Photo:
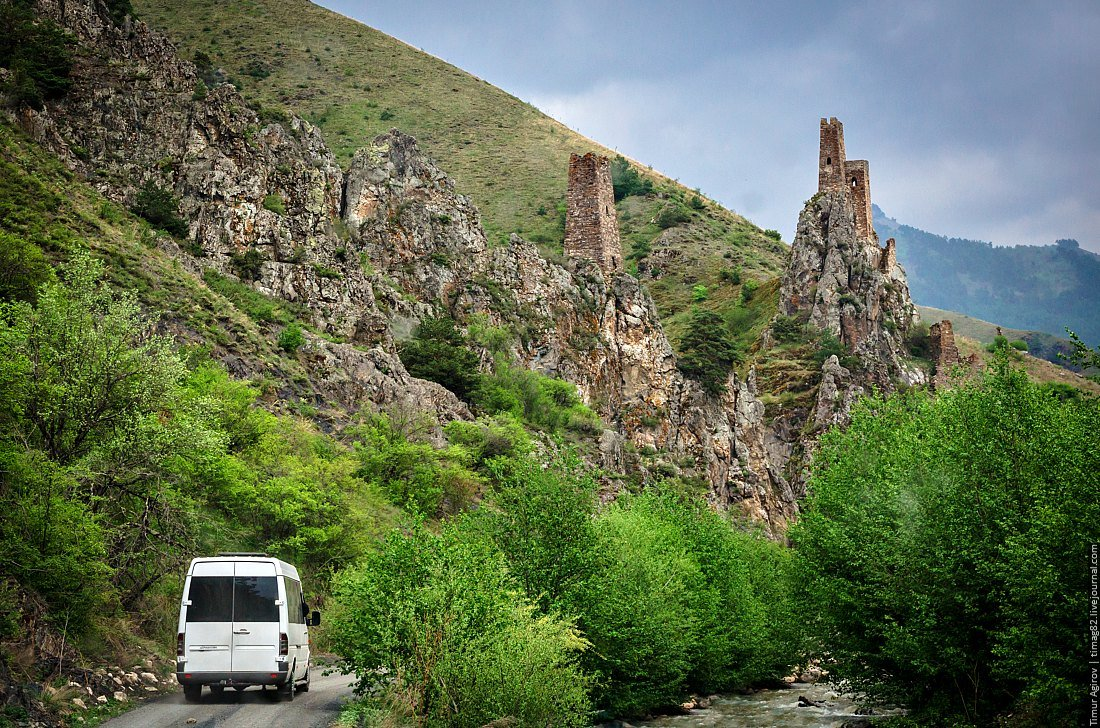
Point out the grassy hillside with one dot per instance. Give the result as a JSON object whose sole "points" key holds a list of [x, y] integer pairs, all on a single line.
{"points": [[356, 82]]}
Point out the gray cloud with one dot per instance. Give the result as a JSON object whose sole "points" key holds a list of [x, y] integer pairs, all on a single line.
{"points": [[979, 119]]}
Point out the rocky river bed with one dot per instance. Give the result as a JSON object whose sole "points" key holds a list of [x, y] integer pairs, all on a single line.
{"points": [[780, 708]]}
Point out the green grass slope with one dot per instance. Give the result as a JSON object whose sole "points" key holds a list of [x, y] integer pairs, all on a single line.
{"points": [[356, 82]]}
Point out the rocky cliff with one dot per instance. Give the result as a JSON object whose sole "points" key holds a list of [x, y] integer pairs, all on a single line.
{"points": [[367, 253]]}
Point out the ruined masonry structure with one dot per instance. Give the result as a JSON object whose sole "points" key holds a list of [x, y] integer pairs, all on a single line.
{"points": [[944, 353], [835, 171], [591, 227]]}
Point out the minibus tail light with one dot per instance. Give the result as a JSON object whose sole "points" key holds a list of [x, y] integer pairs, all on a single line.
{"points": [[284, 644], [179, 645]]}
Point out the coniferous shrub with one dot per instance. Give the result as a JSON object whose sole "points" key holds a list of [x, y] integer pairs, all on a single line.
{"points": [[707, 353], [161, 208], [37, 53]]}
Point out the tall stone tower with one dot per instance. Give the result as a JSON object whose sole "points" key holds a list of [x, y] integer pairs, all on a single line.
{"points": [[835, 171], [591, 226]]}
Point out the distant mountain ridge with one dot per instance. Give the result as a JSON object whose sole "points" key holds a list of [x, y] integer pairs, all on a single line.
{"points": [[1046, 288]]}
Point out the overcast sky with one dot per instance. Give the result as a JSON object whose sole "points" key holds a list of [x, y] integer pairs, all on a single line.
{"points": [[979, 119]]}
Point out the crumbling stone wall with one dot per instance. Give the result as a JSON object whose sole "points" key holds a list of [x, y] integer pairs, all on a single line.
{"points": [[945, 354], [835, 172], [889, 257], [591, 226]]}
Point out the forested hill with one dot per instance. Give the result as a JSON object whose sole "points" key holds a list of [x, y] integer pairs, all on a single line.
{"points": [[1047, 287]]}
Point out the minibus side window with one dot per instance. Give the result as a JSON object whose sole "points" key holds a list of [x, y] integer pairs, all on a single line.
{"points": [[211, 599], [255, 599], [295, 613]]}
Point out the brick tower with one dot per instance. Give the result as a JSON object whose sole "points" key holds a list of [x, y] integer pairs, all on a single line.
{"points": [[835, 172], [591, 226]]}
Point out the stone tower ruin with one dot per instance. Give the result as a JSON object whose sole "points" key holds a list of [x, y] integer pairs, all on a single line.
{"points": [[835, 172], [591, 226]]}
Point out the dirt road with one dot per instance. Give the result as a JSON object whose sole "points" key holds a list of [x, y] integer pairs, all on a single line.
{"points": [[248, 709]]}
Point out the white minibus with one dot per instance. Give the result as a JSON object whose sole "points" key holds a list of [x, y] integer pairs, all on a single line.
{"points": [[243, 621]]}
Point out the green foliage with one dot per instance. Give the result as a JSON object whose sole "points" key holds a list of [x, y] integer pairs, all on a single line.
{"points": [[291, 338], [625, 180], [698, 293], [942, 550], [200, 93], [681, 600], [748, 290], [440, 353], [275, 203], [414, 475], [673, 213], [541, 401], [23, 269], [696, 203], [438, 620], [256, 305], [81, 366], [37, 53], [707, 351], [1082, 355], [773, 234], [386, 115], [489, 438], [117, 10], [1018, 345], [248, 264], [918, 341], [788, 329], [731, 275], [161, 208]]}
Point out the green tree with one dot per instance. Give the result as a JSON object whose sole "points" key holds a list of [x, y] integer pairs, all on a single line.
{"points": [[161, 208], [943, 549], [625, 180], [23, 268], [440, 353], [37, 53], [438, 621], [707, 353]]}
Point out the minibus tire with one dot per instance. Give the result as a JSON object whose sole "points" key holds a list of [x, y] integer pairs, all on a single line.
{"points": [[305, 686], [192, 693], [289, 687]]}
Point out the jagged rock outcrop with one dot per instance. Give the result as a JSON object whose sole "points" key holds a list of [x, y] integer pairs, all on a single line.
{"points": [[269, 193], [599, 331], [845, 284]]}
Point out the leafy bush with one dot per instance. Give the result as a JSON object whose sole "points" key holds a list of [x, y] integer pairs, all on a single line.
{"points": [[1018, 345], [386, 115], [23, 269], [439, 619], [773, 234], [200, 93], [414, 475], [541, 401], [625, 180], [275, 204], [748, 290], [698, 293], [673, 213], [161, 208], [696, 203], [942, 550], [707, 353], [254, 304], [918, 341], [248, 264], [291, 338]]}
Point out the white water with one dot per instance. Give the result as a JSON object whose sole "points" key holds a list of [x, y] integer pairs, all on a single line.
{"points": [[768, 708]]}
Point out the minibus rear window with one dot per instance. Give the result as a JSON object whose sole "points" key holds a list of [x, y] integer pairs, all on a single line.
{"points": [[211, 599], [254, 599], [233, 599]]}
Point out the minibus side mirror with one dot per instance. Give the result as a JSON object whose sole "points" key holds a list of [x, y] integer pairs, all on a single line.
{"points": [[315, 619]]}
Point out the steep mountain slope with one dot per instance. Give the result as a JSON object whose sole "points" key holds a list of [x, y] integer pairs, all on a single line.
{"points": [[1045, 288], [1039, 344], [355, 82]]}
